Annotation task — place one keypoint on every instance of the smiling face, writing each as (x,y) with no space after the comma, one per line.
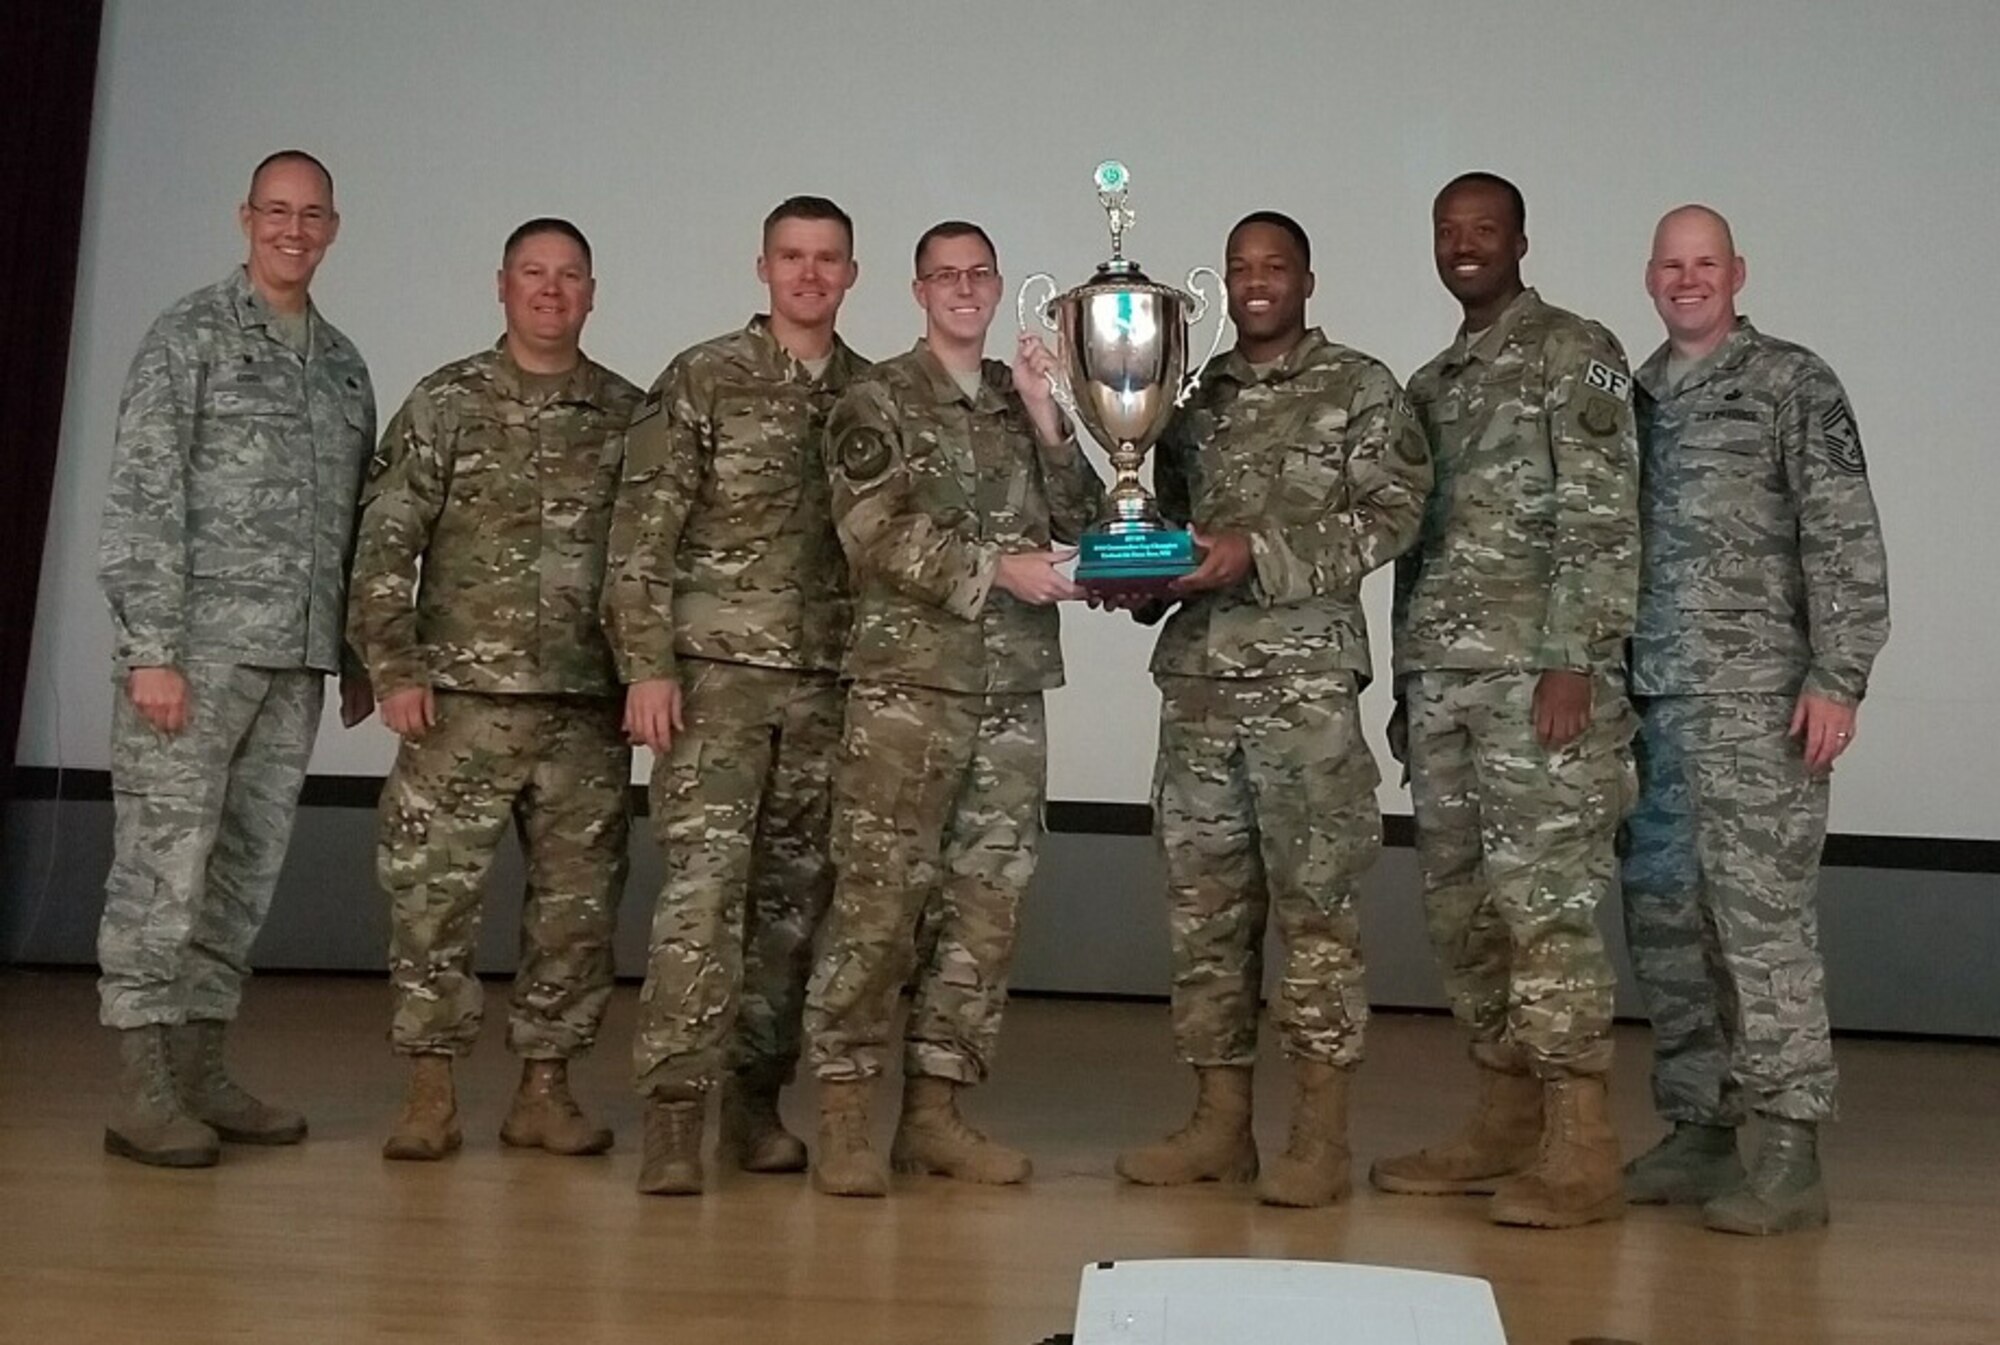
(290,223)
(1693,277)
(547,292)
(808,266)
(1478,244)
(957,285)
(1268,284)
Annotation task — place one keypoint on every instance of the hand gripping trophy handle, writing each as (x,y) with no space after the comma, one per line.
(1202,303)
(1045,311)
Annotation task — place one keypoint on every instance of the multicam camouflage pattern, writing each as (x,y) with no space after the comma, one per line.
(1320,462)
(1765,570)
(1265,791)
(505,497)
(1721,913)
(1530,550)
(1515,846)
(741,805)
(1528,562)
(930,487)
(937,818)
(229,515)
(202,820)
(559,767)
(723,546)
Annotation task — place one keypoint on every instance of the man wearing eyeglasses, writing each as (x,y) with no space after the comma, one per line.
(228,519)
(954,482)
(726,603)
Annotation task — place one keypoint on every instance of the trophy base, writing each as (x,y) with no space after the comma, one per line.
(1140,563)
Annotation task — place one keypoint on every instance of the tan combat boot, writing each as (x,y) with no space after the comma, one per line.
(1313,1170)
(1500,1140)
(1214,1146)
(670,1163)
(428,1128)
(847,1165)
(151,1124)
(933,1138)
(754,1137)
(545,1116)
(1783,1193)
(212,1097)
(1694,1164)
(1576,1177)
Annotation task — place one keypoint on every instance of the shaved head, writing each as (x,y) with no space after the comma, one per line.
(1695,214)
(1694,276)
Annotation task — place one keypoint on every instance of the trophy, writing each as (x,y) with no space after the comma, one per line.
(1121,352)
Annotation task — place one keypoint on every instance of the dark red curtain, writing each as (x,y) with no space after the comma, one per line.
(48,74)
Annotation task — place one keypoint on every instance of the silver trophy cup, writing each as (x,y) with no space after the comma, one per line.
(1121,356)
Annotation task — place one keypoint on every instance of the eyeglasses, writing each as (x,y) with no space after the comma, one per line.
(947,277)
(312,218)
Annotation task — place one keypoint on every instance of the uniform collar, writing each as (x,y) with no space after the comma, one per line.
(1494,339)
(251,309)
(769,359)
(1303,353)
(945,388)
(1735,348)
(585,382)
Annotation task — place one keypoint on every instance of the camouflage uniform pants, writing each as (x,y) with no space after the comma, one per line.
(1265,791)
(1517,849)
(936,820)
(741,807)
(560,768)
(1720,878)
(202,820)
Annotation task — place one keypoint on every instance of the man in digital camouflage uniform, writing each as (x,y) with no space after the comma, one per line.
(228,520)
(1764,602)
(1301,469)
(726,603)
(953,479)
(1510,623)
(496,479)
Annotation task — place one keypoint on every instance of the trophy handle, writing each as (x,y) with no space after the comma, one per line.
(1202,303)
(1040,310)
(1058,386)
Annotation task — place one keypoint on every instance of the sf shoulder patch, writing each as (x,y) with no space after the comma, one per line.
(864,455)
(1600,415)
(1604,378)
(1843,439)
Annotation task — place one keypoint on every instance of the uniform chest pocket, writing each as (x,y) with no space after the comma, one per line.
(1310,479)
(758,454)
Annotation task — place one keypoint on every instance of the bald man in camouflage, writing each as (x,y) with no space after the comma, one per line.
(1764,604)
(242,432)
(1510,622)
(494,482)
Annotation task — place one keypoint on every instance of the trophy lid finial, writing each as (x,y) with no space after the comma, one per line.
(1113,182)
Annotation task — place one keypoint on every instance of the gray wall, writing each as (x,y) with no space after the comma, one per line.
(1906,951)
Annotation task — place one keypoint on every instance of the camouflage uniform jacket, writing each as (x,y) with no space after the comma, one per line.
(722,543)
(1765,570)
(506,501)
(930,487)
(1529,557)
(1322,464)
(229,516)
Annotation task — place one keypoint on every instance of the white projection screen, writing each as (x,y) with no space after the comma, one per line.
(1856,147)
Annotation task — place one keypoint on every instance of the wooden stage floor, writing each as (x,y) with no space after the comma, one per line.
(326,1242)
